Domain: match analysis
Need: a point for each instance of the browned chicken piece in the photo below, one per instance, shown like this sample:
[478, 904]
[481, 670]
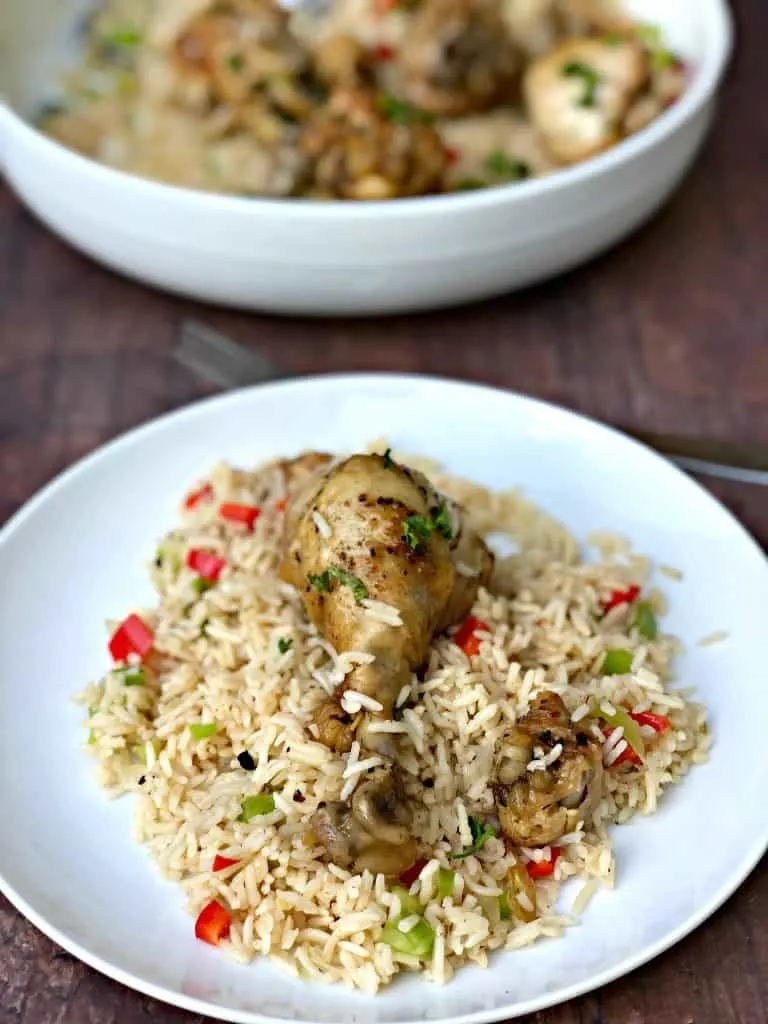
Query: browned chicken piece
[300, 473]
[341, 60]
[241, 55]
[665, 86]
[537, 25]
[588, 16]
[458, 57]
[372, 831]
[537, 807]
[363, 145]
[238, 46]
[578, 95]
[372, 528]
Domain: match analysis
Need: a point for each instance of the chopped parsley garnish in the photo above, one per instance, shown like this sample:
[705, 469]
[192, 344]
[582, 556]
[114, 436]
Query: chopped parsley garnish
[469, 185]
[322, 582]
[614, 39]
[284, 644]
[441, 520]
[589, 77]
[48, 111]
[234, 62]
[388, 463]
[418, 529]
[504, 166]
[402, 112]
[201, 584]
[124, 37]
[652, 38]
[246, 762]
[284, 116]
[481, 833]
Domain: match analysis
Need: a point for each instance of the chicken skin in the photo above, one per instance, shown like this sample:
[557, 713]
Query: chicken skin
[538, 798]
[371, 530]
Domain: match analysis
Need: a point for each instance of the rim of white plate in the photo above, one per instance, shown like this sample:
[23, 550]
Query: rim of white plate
[747, 864]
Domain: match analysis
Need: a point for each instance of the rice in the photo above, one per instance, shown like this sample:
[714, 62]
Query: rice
[216, 659]
[353, 701]
[379, 611]
[322, 524]
[712, 638]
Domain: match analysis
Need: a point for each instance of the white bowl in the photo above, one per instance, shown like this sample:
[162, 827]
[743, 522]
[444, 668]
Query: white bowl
[291, 256]
[73, 557]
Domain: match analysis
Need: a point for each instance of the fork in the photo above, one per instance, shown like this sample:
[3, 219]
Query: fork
[222, 361]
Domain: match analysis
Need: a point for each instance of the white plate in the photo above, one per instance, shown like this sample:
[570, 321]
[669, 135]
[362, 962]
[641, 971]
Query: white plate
[73, 556]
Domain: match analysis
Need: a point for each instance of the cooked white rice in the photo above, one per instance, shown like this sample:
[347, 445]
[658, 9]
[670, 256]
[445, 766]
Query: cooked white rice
[216, 659]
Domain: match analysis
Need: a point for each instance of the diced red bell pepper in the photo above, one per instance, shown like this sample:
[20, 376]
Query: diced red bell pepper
[213, 923]
[194, 498]
[466, 639]
[622, 597]
[235, 513]
[132, 636]
[628, 755]
[383, 53]
[543, 868]
[659, 723]
[220, 863]
[410, 874]
[205, 563]
[280, 505]
[451, 156]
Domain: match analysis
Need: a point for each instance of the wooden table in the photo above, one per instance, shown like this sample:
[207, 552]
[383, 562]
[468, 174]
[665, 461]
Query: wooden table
[667, 332]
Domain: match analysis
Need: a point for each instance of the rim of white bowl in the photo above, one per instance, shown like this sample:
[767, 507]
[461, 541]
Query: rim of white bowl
[715, 15]
[748, 862]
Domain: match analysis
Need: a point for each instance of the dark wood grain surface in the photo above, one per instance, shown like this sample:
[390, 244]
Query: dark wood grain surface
[668, 332]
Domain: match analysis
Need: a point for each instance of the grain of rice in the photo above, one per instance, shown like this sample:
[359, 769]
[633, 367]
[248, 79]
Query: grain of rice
[583, 897]
[615, 737]
[581, 712]
[614, 754]
[403, 695]
[466, 570]
[353, 701]
[379, 611]
[407, 924]
[712, 638]
[362, 766]
[541, 764]
[322, 525]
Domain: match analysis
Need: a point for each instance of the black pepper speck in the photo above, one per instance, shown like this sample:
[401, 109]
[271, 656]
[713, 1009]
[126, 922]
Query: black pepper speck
[246, 761]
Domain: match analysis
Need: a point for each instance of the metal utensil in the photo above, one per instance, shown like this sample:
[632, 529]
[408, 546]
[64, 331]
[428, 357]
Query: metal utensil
[222, 361]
